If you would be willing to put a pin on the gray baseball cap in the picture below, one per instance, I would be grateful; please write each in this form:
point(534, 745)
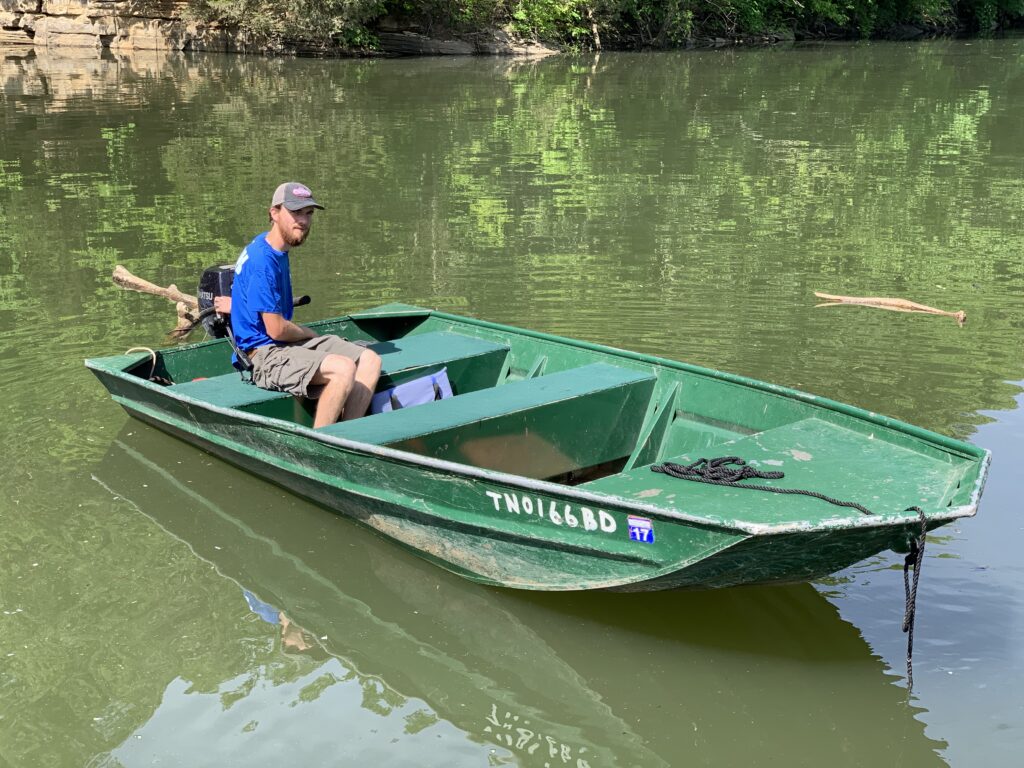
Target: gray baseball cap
point(294, 196)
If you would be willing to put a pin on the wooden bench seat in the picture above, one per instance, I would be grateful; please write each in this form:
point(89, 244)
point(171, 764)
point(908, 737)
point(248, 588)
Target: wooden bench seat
point(472, 364)
point(539, 427)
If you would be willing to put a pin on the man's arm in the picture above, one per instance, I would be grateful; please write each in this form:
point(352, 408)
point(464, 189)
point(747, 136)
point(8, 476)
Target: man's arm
point(280, 329)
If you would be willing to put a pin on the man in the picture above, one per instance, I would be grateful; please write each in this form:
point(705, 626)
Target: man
point(285, 356)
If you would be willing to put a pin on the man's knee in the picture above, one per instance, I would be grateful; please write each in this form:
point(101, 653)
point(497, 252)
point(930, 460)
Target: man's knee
point(338, 367)
point(369, 361)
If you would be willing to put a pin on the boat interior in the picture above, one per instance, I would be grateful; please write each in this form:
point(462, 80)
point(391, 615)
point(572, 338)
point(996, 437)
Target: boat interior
point(573, 413)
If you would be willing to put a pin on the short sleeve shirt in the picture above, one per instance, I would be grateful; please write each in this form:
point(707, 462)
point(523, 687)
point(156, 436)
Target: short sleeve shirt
point(263, 283)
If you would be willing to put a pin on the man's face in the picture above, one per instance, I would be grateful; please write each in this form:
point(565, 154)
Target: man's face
point(293, 225)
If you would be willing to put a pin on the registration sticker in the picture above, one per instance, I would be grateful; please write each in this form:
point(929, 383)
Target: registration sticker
point(641, 529)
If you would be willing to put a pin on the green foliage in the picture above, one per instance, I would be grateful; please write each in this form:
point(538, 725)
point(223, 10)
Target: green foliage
point(456, 15)
point(648, 23)
point(341, 21)
point(548, 19)
point(986, 11)
point(606, 23)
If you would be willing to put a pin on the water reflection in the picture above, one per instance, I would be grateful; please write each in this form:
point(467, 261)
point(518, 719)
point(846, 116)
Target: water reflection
point(588, 679)
point(968, 654)
point(685, 205)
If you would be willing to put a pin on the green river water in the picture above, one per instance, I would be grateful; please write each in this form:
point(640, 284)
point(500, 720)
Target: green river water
point(685, 205)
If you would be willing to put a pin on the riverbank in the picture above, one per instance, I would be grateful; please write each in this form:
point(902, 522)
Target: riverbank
point(529, 28)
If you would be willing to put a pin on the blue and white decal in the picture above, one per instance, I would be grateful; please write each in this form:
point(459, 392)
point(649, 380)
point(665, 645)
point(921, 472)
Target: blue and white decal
point(641, 529)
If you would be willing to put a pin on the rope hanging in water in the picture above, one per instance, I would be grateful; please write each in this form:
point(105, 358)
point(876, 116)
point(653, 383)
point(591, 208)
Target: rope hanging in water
point(913, 559)
point(732, 470)
point(719, 472)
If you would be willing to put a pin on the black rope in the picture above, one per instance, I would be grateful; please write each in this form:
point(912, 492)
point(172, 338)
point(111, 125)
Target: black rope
point(732, 470)
point(913, 559)
point(719, 472)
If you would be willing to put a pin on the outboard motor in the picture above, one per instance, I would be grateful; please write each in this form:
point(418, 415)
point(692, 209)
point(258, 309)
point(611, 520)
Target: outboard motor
point(216, 281)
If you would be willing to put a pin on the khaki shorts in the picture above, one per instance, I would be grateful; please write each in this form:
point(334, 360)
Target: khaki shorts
point(291, 367)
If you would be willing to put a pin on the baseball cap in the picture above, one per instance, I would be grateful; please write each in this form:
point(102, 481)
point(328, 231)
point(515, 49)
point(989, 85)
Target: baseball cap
point(294, 196)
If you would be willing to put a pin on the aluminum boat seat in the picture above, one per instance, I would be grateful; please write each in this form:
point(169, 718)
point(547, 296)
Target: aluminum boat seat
point(472, 364)
point(539, 427)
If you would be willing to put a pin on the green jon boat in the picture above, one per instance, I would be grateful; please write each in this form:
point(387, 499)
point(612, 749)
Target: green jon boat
point(537, 474)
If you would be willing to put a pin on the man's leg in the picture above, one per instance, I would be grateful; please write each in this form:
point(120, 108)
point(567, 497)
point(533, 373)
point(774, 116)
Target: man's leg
point(337, 375)
point(367, 373)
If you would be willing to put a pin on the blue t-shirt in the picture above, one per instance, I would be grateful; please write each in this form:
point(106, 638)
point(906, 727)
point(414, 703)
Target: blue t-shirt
point(263, 283)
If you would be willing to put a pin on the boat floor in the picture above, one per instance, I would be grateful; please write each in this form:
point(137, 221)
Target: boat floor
point(815, 455)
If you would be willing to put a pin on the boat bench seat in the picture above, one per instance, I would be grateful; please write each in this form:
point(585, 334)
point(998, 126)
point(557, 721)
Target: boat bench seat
point(472, 364)
point(539, 427)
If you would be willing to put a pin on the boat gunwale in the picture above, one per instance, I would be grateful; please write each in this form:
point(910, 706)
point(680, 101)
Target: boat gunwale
point(950, 445)
point(570, 492)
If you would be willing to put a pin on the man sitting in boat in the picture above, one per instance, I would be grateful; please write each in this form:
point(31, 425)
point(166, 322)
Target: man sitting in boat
point(288, 357)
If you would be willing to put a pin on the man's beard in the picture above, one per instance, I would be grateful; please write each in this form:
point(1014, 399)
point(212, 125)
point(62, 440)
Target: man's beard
point(292, 240)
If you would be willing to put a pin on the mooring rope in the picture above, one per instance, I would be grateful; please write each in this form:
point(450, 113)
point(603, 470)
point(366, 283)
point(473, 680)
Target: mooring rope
point(152, 358)
point(719, 472)
point(162, 381)
point(913, 559)
point(732, 470)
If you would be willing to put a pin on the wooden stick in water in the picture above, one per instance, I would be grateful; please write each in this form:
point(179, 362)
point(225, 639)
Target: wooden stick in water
point(126, 279)
point(894, 305)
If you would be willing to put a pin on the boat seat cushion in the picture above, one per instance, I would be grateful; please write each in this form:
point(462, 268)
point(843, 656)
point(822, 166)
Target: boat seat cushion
point(539, 427)
point(472, 364)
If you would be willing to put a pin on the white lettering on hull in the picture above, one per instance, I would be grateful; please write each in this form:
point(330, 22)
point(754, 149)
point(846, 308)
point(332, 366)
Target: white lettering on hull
point(567, 516)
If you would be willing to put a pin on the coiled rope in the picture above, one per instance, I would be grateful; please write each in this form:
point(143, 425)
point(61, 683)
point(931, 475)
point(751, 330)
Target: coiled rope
point(721, 472)
point(162, 381)
point(152, 358)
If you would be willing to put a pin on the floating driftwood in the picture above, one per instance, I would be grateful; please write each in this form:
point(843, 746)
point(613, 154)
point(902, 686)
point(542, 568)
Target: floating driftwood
point(894, 305)
point(126, 279)
point(187, 306)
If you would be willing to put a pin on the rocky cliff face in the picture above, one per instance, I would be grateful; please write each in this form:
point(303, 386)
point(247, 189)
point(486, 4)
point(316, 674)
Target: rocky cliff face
point(124, 26)
point(120, 25)
point(161, 25)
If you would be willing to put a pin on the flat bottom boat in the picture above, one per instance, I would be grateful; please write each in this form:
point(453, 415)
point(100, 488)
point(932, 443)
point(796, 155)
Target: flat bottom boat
point(540, 472)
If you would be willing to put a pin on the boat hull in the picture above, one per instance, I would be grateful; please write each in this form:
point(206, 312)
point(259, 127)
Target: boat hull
point(440, 484)
point(421, 511)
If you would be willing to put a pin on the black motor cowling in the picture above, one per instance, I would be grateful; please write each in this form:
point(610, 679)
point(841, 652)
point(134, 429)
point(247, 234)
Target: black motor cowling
point(216, 281)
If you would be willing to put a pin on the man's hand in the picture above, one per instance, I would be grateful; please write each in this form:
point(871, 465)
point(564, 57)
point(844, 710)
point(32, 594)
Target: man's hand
point(222, 305)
